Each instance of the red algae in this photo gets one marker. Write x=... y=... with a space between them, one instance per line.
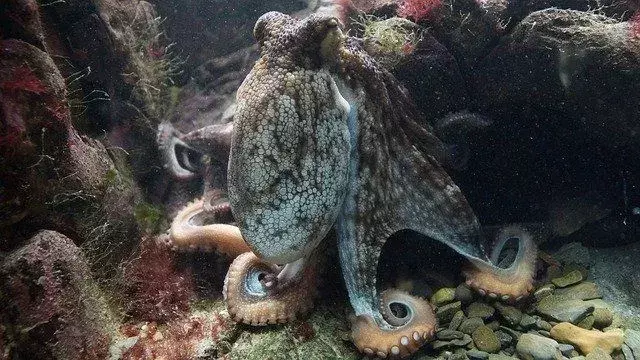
x=158 y=289
x=419 y=10
x=23 y=79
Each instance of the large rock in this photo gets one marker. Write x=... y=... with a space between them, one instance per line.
x=536 y=347
x=567 y=62
x=54 y=309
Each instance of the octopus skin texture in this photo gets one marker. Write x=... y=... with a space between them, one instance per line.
x=324 y=138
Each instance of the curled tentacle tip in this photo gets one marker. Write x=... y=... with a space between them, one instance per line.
x=411 y=323
x=187 y=234
x=251 y=301
x=509 y=284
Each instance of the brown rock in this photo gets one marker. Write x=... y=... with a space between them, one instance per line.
x=588 y=340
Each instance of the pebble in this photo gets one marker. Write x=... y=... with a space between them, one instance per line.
x=481 y=310
x=588 y=340
x=583 y=291
x=509 y=314
x=515 y=335
x=544 y=333
x=494 y=325
x=628 y=354
x=570 y=278
x=543 y=325
x=447 y=334
x=468 y=326
x=501 y=357
x=457 y=319
x=563 y=310
x=536 y=347
x=505 y=339
x=446 y=313
x=464 y=293
x=485 y=339
x=598 y=354
x=586 y=323
x=632 y=340
x=528 y=322
x=443 y=296
x=602 y=318
x=475 y=354
x=566 y=349
x=543 y=291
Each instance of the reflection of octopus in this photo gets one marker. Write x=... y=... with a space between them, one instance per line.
x=324 y=137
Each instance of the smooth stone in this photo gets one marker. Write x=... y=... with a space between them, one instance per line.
x=476 y=354
x=586 y=323
x=515 y=335
x=598 y=354
x=536 y=347
x=632 y=340
x=464 y=293
x=573 y=252
x=481 y=310
x=443 y=296
x=470 y=325
x=447 y=334
x=544 y=333
x=566 y=349
x=588 y=340
x=543 y=325
x=494 y=325
x=445 y=344
x=626 y=351
x=583 y=291
x=501 y=357
x=570 y=278
x=527 y=322
x=485 y=339
x=563 y=310
x=602 y=318
x=544 y=291
x=509 y=314
x=457 y=319
x=447 y=312
x=505 y=339
x=458 y=356
x=579 y=357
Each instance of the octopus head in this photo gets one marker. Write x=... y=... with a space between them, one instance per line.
x=288 y=167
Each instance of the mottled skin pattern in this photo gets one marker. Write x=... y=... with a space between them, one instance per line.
x=325 y=137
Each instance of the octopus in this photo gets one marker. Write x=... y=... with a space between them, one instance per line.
x=324 y=139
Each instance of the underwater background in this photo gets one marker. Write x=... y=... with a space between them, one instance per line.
x=346 y=179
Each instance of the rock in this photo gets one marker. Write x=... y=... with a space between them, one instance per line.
x=602 y=318
x=494 y=325
x=511 y=315
x=543 y=325
x=505 y=339
x=468 y=326
x=486 y=340
x=632 y=340
x=570 y=278
x=566 y=349
x=501 y=357
x=544 y=291
x=443 y=296
x=475 y=354
x=458 y=342
x=447 y=334
x=481 y=310
x=464 y=293
x=587 y=340
x=626 y=351
x=586 y=323
x=458 y=318
x=446 y=313
x=515 y=335
x=573 y=252
x=528 y=322
x=51 y=300
x=535 y=347
x=560 y=309
x=583 y=291
x=598 y=354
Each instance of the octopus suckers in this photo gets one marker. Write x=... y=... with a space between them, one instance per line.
x=404 y=341
x=395 y=350
x=416 y=336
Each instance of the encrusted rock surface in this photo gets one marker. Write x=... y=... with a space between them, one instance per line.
x=49 y=297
